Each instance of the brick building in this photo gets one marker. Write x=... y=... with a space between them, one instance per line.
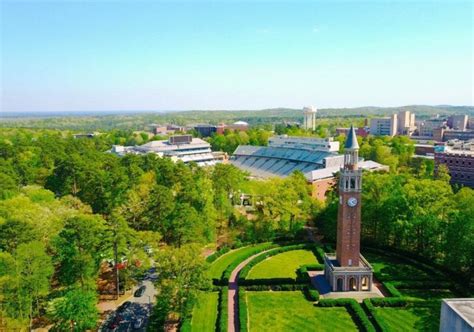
x=458 y=156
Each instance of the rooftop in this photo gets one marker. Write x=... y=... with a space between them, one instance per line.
x=351 y=140
x=464 y=308
x=326 y=173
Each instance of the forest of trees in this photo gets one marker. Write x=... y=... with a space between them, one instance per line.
x=65 y=204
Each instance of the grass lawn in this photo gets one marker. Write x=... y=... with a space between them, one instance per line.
x=290 y=311
x=219 y=265
x=282 y=265
x=410 y=319
x=396 y=269
x=205 y=312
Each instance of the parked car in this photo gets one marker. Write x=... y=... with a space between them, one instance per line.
x=139 y=292
x=138 y=324
x=124 y=306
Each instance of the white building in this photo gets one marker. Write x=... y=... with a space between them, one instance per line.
x=457 y=315
x=406 y=123
x=183 y=147
x=309 y=117
x=304 y=143
x=385 y=126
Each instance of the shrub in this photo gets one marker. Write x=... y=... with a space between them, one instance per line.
x=269 y=281
x=226 y=274
x=355 y=310
x=427 y=284
x=280 y=287
x=222 y=313
x=312 y=267
x=312 y=294
x=243 y=317
x=389 y=302
x=217 y=254
x=391 y=289
x=245 y=271
x=319 y=253
x=380 y=323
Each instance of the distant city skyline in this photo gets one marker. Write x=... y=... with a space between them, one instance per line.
x=123 y=55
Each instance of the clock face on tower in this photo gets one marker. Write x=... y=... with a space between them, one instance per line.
x=352 y=201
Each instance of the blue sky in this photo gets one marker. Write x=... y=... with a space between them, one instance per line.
x=152 y=55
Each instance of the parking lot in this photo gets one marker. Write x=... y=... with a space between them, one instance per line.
x=134 y=313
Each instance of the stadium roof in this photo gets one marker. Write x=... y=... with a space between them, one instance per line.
x=264 y=162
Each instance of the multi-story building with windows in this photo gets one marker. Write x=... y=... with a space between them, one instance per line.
x=458 y=157
x=182 y=147
x=406 y=123
x=385 y=126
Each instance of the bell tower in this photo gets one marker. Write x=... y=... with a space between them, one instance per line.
x=348 y=218
x=347 y=270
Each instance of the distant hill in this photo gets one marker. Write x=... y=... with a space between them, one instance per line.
x=136 y=120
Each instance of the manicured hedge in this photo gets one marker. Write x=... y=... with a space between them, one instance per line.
x=427 y=284
x=245 y=271
x=280 y=287
x=228 y=271
x=389 y=301
x=312 y=294
x=426 y=264
x=243 y=314
x=379 y=321
x=319 y=252
x=310 y=267
x=354 y=308
x=217 y=254
x=274 y=281
x=223 y=311
x=391 y=289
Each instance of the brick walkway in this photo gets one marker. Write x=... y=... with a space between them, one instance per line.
x=233 y=323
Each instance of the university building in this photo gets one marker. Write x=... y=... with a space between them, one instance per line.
x=458 y=157
x=180 y=147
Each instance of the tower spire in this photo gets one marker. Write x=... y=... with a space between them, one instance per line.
x=351 y=140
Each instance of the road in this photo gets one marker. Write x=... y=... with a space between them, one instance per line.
x=138 y=309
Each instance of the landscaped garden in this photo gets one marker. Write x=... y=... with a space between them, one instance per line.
x=410 y=318
x=205 y=312
x=275 y=294
x=221 y=263
x=290 y=311
x=284 y=265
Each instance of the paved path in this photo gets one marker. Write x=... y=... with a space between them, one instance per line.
x=233 y=301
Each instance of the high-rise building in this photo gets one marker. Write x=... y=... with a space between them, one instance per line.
x=458 y=122
x=385 y=126
x=347 y=270
x=309 y=113
x=406 y=123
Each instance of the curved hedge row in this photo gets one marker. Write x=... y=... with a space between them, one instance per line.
x=245 y=271
x=231 y=267
x=354 y=309
x=217 y=254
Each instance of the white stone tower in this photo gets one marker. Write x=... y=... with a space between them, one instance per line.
x=309 y=117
